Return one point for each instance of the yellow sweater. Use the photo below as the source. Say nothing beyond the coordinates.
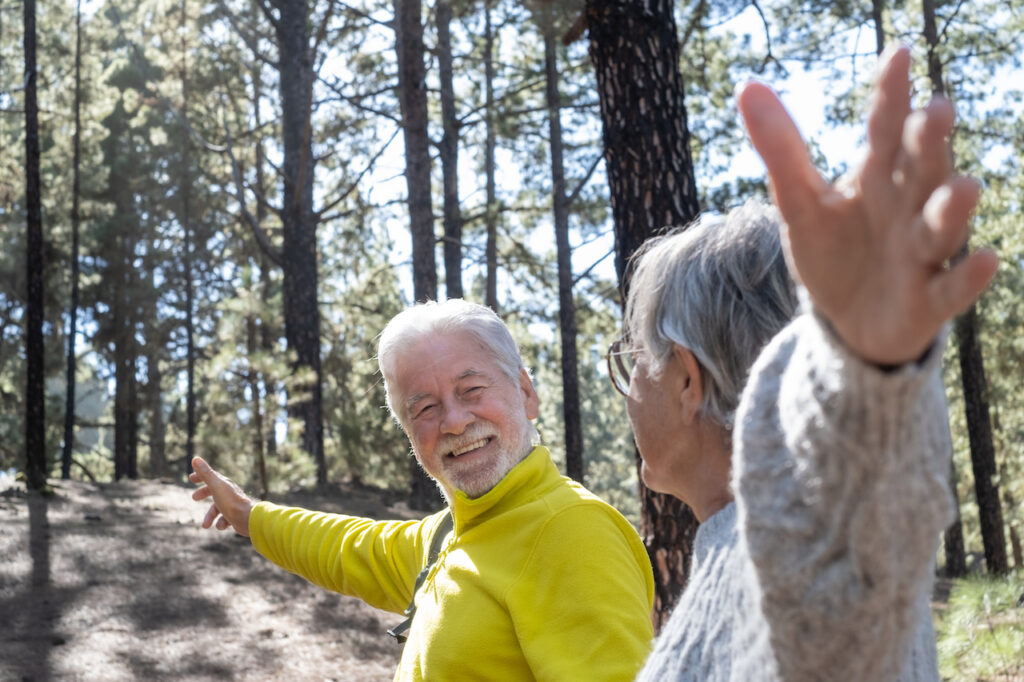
(539, 579)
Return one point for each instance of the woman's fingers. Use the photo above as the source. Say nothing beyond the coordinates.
(925, 161)
(954, 291)
(890, 105)
(945, 220)
(795, 181)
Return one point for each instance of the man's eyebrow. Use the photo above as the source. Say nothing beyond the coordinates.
(412, 400)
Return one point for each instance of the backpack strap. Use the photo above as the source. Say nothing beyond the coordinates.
(442, 530)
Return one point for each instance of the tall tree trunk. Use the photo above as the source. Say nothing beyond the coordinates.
(412, 91)
(154, 400)
(449, 153)
(972, 372)
(877, 14)
(566, 304)
(953, 540)
(124, 370)
(256, 399)
(35, 394)
(979, 432)
(301, 304)
(186, 224)
(491, 212)
(76, 157)
(1011, 503)
(635, 51)
(267, 333)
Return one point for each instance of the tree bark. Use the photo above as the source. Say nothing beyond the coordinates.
(412, 93)
(491, 212)
(76, 158)
(267, 332)
(449, 153)
(412, 89)
(252, 376)
(972, 373)
(1011, 503)
(635, 51)
(35, 393)
(877, 14)
(566, 304)
(301, 302)
(186, 224)
(154, 399)
(979, 433)
(953, 539)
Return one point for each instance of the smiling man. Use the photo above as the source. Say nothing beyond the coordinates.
(537, 578)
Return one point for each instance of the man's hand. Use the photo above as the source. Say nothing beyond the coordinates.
(872, 250)
(230, 504)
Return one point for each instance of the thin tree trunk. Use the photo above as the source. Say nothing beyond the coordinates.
(124, 369)
(979, 432)
(413, 100)
(186, 224)
(491, 213)
(635, 51)
(449, 153)
(301, 289)
(257, 405)
(877, 14)
(267, 335)
(953, 540)
(972, 373)
(566, 304)
(1011, 503)
(35, 396)
(154, 399)
(69, 405)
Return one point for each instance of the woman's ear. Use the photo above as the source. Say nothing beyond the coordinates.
(691, 394)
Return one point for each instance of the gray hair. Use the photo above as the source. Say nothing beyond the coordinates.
(719, 288)
(452, 315)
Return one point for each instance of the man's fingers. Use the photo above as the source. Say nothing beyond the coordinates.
(202, 493)
(211, 514)
(222, 524)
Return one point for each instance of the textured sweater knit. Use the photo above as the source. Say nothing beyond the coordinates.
(822, 567)
(539, 579)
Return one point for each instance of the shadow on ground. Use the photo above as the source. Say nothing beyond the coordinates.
(118, 582)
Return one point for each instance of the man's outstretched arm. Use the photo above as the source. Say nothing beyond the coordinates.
(230, 506)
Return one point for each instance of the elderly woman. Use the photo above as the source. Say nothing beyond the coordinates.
(814, 449)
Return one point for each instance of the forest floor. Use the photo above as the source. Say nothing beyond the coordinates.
(117, 581)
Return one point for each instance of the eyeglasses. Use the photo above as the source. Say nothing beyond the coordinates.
(620, 365)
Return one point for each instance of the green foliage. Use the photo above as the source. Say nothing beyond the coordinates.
(980, 634)
(139, 56)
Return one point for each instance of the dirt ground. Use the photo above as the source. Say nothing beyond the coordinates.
(118, 582)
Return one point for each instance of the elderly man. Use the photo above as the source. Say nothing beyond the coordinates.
(538, 579)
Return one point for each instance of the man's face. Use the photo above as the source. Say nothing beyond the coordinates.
(469, 424)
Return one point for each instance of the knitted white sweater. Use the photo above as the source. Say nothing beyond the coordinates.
(822, 569)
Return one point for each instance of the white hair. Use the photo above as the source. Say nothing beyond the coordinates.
(445, 317)
(719, 288)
